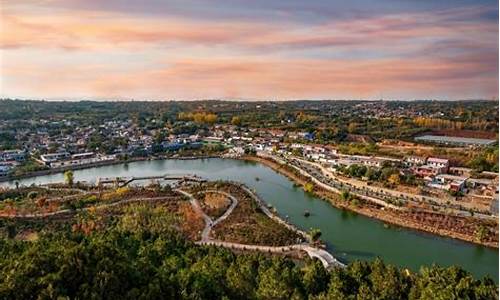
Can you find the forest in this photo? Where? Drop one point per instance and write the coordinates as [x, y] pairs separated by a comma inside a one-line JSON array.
[[139, 256], [332, 120]]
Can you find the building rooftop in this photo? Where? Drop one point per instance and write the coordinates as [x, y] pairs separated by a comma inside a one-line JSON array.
[[454, 140], [437, 160]]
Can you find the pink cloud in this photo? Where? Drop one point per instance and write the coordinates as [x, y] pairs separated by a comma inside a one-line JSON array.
[[431, 54], [208, 78], [84, 30]]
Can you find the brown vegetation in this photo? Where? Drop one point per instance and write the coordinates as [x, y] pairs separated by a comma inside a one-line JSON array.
[[191, 223], [213, 204], [478, 134], [247, 224]]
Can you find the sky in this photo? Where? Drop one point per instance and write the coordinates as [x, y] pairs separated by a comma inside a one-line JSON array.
[[252, 50]]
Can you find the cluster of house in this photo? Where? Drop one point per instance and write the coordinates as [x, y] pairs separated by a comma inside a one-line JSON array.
[[66, 150], [9, 159], [65, 159], [436, 172], [427, 166], [173, 143]]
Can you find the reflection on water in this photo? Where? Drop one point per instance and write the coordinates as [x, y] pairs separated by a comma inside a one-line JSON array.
[[348, 235], [365, 254]]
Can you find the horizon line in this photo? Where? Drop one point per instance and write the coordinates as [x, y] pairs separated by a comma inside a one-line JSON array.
[[239, 100]]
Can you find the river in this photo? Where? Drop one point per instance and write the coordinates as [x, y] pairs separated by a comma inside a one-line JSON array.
[[348, 235]]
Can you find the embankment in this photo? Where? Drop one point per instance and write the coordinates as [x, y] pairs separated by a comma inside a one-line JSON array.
[[390, 216]]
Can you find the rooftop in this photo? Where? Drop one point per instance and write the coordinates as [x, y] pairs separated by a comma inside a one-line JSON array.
[[455, 140], [437, 160]]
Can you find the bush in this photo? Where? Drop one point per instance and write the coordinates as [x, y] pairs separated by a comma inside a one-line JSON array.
[[309, 187]]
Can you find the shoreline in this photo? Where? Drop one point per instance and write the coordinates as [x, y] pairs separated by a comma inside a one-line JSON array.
[[386, 216], [97, 164]]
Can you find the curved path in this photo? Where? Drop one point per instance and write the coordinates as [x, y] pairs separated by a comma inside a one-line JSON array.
[[230, 209], [209, 223], [326, 258]]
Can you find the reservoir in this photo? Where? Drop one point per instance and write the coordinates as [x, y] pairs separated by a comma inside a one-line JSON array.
[[349, 236]]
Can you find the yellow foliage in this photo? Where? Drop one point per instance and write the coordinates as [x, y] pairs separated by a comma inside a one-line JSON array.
[[121, 191], [394, 179], [199, 117], [309, 187], [236, 121], [118, 193], [434, 123]]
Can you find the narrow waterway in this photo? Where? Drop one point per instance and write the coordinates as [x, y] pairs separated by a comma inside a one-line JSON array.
[[349, 236]]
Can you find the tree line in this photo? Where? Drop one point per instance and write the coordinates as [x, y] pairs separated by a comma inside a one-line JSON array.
[[139, 256]]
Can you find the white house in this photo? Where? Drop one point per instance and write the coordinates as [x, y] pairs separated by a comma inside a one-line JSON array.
[[438, 163], [53, 157], [415, 160]]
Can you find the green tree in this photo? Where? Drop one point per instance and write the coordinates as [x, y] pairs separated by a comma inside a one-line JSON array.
[[481, 233], [241, 277], [345, 195], [315, 277], [69, 177], [279, 281], [315, 234]]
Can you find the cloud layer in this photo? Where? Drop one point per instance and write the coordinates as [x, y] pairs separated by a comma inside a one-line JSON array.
[[163, 50]]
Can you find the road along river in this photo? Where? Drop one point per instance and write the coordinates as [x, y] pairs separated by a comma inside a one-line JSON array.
[[349, 236]]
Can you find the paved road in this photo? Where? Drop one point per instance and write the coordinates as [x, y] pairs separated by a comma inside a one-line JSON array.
[[324, 178], [326, 258], [209, 223], [197, 208], [402, 196], [332, 184]]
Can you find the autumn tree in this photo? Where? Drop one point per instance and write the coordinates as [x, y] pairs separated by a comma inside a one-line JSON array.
[[309, 187], [394, 179], [236, 121]]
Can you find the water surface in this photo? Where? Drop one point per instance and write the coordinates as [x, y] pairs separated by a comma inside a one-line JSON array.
[[349, 236]]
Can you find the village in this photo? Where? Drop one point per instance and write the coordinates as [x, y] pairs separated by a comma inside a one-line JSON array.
[[249, 149], [422, 176]]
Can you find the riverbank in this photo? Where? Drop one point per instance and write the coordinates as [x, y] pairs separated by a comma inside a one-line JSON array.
[[351, 236], [325, 257], [390, 216], [99, 164]]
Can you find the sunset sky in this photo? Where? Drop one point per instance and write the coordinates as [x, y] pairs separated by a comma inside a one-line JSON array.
[[241, 49]]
